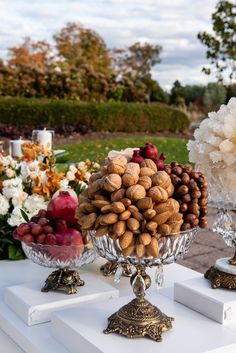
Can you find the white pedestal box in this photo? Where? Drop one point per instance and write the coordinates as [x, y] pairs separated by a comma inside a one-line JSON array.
[[34, 339], [35, 307], [217, 304], [191, 332]]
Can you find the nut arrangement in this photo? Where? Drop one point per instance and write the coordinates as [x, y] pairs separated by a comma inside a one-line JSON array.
[[191, 193], [137, 204]]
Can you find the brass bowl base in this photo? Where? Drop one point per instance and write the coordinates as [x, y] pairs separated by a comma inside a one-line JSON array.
[[109, 269], [63, 279], [220, 279], [139, 318]]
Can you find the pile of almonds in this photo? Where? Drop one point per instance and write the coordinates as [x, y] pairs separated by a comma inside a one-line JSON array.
[[132, 203]]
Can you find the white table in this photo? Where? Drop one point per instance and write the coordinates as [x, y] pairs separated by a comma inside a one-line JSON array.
[[12, 273]]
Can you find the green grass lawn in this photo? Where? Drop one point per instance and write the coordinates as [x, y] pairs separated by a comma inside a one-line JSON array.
[[173, 148]]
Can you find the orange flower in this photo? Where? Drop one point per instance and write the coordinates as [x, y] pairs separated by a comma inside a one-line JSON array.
[[51, 185]]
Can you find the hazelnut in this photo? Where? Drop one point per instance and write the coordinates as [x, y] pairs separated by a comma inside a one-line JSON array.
[[186, 226], [175, 179], [168, 169], [185, 178], [182, 190], [183, 207], [192, 184], [195, 194], [190, 217], [186, 198], [202, 222], [187, 168], [177, 170]]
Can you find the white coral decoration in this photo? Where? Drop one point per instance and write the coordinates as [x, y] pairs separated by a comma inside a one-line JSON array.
[[4, 205], [215, 139]]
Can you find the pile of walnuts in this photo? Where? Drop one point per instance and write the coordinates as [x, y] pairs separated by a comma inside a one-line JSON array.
[[132, 203]]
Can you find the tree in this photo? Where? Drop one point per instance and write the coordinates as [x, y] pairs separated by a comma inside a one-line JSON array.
[[34, 55], [221, 44], [138, 60], [214, 96], [82, 46]]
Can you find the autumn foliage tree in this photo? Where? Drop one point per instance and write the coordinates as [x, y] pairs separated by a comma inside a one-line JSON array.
[[31, 54], [82, 46]]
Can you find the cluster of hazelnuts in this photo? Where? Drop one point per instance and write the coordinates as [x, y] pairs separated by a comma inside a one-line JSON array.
[[191, 193]]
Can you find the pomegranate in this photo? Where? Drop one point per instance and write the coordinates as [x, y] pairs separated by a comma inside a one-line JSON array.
[[136, 157], [71, 244], [63, 207], [69, 236], [149, 151], [160, 163]]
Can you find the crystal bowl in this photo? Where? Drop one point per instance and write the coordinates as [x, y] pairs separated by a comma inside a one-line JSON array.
[[64, 258], [139, 317]]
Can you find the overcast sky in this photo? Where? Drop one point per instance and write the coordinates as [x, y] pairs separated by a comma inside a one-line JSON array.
[[173, 24]]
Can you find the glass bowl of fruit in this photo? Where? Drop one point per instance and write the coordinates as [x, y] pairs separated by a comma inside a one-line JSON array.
[[55, 242]]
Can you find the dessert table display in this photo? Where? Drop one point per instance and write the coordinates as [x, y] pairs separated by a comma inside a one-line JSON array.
[[214, 153]]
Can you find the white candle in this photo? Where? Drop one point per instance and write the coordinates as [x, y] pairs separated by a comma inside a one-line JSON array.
[[15, 147], [44, 138]]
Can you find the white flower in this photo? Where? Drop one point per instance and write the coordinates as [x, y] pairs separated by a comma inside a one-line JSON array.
[[10, 173], [12, 187], [87, 176], [73, 169], [70, 175], [64, 184], [4, 205], [16, 217], [34, 203], [18, 199], [81, 165]]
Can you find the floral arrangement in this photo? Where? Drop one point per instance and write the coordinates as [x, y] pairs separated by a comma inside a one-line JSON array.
[[28, 184], [214, 150]]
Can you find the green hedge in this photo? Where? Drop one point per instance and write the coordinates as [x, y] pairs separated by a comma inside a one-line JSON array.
[[61, 114]]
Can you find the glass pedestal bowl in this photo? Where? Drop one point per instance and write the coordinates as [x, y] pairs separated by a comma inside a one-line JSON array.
[[139, 317], [64, 259], [223, 273]]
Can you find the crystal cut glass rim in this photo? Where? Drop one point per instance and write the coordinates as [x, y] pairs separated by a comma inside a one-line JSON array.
[[37, 253], [176, 246]]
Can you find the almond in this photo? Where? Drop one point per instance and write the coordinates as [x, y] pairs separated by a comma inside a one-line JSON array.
[[138, 216], [126, 239], [126, 202], [162, 218], [89, 220], [125, 215], [145, 238], [119, 228], [149, 214], [118, 195], [140, 249], [133, 224], [164, 229], [128, 251], [151, 226], [153, 247], [100, 203], [109, 218], [106, 209], [102, 230], [144, 203], [117, 207]]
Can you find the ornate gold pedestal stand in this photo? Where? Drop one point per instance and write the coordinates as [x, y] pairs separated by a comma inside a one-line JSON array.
[[63, 279], [139, 318], [109, 269], [220, 277]]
